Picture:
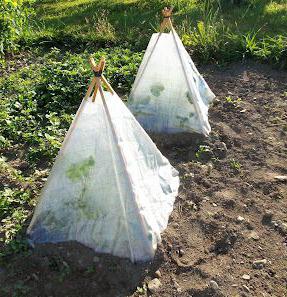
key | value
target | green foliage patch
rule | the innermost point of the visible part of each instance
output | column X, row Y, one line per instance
column 38, row 102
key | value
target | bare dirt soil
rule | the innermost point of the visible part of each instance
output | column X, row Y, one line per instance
column 231, row 210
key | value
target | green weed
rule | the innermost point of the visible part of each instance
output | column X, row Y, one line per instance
column 65, row 270
column 201, row 151
column 235, row 165
column 232, row 101
column 141, row 290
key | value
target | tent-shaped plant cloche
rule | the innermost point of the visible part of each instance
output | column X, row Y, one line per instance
column 169, row 95
column 110, row 188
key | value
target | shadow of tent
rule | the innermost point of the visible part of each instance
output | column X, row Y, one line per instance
column 179, row 146
column 118, row 13
column 69, row 269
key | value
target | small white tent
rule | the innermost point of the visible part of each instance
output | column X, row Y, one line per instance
column 110, row 187
column 169, row 95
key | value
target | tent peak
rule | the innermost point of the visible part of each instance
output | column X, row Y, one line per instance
column 98, row 79
column 166, row 23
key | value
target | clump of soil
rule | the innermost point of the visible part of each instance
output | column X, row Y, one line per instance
column 230, row 211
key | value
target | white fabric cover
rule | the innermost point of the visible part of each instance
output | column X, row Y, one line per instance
column 169, row 95
column 110, row 187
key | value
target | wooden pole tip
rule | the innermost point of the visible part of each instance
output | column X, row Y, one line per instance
column 167, row 12
column 97, row 67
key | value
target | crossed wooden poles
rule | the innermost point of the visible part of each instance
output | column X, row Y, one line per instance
column 166, row 23
column 98, row 79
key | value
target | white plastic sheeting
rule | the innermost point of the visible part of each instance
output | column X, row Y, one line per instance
column 110, row 188
column 169, row 95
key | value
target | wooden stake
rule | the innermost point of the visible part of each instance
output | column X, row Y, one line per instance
column 90, row 89
column 166, row 23
column 106, row 83
column 95, row 92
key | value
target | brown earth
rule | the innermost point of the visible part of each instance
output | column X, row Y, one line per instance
column 231, row 209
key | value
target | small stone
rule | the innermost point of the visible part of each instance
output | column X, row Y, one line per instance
column 209, row 168
column 254, row 235
column 214, row 204
column 177, row 286
column 283, row 228
column 221, row 150
column 246, row 276
column 181, row 252
column 158, row 274
column 214, row 285
column 246, row 288
column 154, row 285
column 35, row 276
column 259, row 264
column 240, row 219
column 281, row 177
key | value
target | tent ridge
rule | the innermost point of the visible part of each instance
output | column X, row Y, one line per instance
column 117, row 181
column 127, row 173
column 145, row 66
column 188, row 84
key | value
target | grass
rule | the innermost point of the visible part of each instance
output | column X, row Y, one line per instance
column 218, row 33
column 128, row 17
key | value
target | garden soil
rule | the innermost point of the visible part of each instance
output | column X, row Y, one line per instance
column 227, row 235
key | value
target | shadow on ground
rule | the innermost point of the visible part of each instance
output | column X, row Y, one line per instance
column 71, row 269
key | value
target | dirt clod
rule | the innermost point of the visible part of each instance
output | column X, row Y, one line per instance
column 154, row 285
column 225, row 243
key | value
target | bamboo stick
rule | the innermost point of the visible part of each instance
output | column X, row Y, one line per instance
column 106, row 83
column 90, row 89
